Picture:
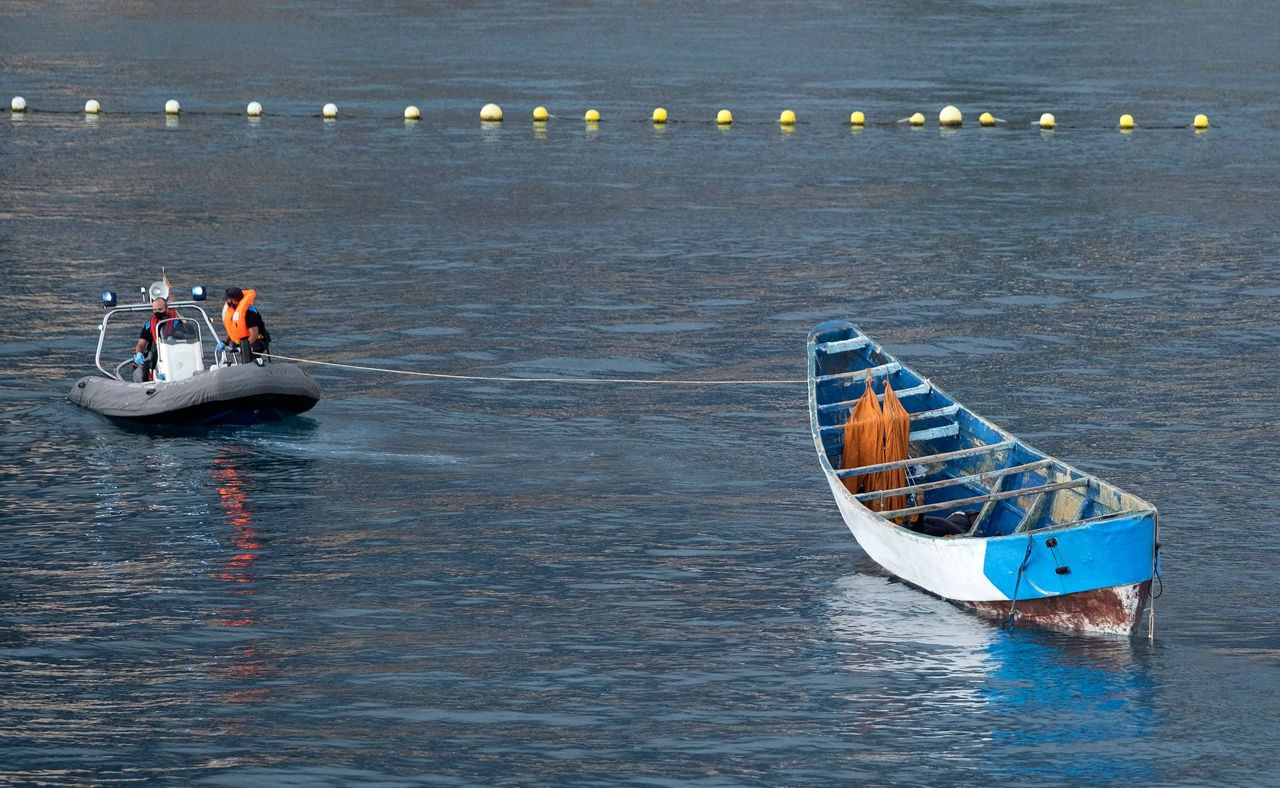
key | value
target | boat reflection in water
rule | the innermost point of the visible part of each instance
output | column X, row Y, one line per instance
column 247, row 665
column 939, row 696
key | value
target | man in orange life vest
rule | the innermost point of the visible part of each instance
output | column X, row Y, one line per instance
column 242, row 320
column 144, row 351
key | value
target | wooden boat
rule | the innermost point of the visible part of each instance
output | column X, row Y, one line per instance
column 1045, row 544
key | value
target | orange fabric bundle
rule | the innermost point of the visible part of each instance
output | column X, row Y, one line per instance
column 863, row 440
column 897, row 443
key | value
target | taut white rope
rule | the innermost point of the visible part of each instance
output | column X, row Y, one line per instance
column 493, row 378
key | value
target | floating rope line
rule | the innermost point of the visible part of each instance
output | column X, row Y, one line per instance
column 500, row 379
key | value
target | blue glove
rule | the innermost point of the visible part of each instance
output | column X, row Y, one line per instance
column 139, row 359
column 221, row 346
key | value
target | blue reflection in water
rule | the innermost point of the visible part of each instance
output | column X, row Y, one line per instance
column 945, row 696
column 1077, row 708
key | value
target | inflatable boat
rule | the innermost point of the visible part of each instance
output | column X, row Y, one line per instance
column 237, row 388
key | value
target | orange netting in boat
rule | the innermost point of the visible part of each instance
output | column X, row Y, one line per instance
column 863, row 438
column 897, row 431
column 876, row 434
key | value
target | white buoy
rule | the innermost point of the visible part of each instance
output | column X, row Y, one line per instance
column 412, row 113
column 18, row 104
column 1048, row 121
column 172, row 107
column 950, row 117
column 917, row 119
column 254, row 110
column 92, row 107
column 491, row 113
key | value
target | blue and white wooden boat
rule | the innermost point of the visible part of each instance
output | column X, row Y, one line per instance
column 1047, row 544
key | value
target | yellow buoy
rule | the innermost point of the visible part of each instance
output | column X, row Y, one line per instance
column 18, row 104
column 540, row 114
column 787, row 118
column 412, row 113
column 254, row 110
column 1201, row 122
column 724, row 117
column 987, row 119
column 1126, row 121
column 172, row 107
column 92, row 107
column 659, row 115
column 1048, row 121
column 592, row 116
column 950, row 117
column 857, row 118
column 491, row 113
column 330, row 111
column 917, row 119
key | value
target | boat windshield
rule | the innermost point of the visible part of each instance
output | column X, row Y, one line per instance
column 180, row 331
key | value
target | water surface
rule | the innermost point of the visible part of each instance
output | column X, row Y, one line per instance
column 477, row 582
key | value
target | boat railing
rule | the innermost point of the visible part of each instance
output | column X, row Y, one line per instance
column 144, row 307
column 1101, row 518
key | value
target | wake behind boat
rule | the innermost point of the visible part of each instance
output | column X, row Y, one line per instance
column 237, row 388
column 1028, row 537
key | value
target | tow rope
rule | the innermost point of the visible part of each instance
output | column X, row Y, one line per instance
column 500, row 379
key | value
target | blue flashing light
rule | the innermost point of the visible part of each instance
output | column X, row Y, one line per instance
column 108, row 299
column 197, row 293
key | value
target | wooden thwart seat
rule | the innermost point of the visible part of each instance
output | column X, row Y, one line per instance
column 928, row 459
column 842, row 345
column 960, row 503
column 923, row 388
column 875, row 372
column 920, row 415
column 972, row 478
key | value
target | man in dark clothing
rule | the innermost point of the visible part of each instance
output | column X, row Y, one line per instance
column 144, row 353
column 259, row 339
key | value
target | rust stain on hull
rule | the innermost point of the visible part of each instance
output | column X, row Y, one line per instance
column 1115, row 610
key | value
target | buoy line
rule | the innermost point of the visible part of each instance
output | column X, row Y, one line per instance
column 491, row 115
column 500, row 379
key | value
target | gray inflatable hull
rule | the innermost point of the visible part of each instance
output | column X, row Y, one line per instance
column 239, row 394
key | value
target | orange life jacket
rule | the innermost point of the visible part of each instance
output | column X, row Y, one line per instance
column 234, row 320
column 154, row 324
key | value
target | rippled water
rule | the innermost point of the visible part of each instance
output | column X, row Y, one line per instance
column 487, row 583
